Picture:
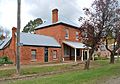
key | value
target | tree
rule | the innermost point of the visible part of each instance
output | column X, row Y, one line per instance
column 110, row 23
column 4, row 33
column 92, row 38
column 18, row 36
column 32, row 24
column 102, row 16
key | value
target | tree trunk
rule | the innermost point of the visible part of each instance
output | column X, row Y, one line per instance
column 112, row 58
column 87, row 62
column 111, row 51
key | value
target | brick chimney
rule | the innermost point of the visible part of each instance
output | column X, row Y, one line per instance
column 13, row 42
column 54, row 15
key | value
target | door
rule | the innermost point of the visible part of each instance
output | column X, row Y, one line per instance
column 46, row 55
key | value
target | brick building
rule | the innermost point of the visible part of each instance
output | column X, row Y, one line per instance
column 52, row 42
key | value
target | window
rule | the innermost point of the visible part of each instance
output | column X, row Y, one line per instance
column 33, row 53
column 54, row 54
column 102, row 48
column 77, row 35
column 66, row 33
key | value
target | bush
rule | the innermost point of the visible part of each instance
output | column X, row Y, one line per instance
column 5, row 60
column 100, row 58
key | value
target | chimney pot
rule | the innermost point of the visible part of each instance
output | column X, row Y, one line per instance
column 54, row 15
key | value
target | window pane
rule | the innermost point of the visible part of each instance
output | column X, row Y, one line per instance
column 54, row 54
column 33, row 53
column 77, row 35
column 66, row 33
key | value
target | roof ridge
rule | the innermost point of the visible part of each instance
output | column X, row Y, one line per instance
column 37, row 34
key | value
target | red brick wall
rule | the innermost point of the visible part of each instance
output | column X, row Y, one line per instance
column 26, row 57
column 72, row 34
column 54, row 15
column 8, row 52
column 25, row 52
column 54, row 31
column 13, row 40
column 51, row 59
column 58, row 32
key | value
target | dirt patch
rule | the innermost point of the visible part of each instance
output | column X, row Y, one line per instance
column 113, row 80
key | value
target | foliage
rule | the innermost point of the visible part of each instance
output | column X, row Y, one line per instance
column 5, row 60
column 102, row 23
column 32, row 24
column 100, row 58
column 4, row 33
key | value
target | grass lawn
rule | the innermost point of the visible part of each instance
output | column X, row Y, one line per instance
column 33, row 70
column 103, row 71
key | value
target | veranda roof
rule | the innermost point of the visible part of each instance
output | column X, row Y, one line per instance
column 76, row 45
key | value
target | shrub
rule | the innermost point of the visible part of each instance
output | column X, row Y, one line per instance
column 5, row 60
column 100, row 58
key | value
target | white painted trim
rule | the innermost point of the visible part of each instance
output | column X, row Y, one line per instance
column 82, row 56
column 75, row 55
column 87, row 54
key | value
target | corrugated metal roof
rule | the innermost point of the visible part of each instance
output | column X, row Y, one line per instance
column 77, row 45
column 4, row 42
column 38, row 40
column 61, row 20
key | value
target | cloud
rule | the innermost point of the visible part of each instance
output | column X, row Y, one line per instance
column 42, row 8
column 6, row 14
column 70, row 9
column 32, row 9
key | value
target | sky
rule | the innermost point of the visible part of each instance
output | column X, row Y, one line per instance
column 32, row 9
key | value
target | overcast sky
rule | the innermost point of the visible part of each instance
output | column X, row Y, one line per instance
column 32, row 9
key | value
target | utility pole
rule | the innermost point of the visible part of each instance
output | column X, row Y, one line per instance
column 18, row 36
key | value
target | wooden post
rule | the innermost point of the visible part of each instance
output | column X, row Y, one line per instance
column 75, row 55
column 87, row 54
column 18, row 36
column 82, row 56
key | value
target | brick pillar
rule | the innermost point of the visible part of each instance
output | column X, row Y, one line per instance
column 54, row 15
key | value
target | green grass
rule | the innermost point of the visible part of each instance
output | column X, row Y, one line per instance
column 103, row 70
column 33, row 70
column 45, row 69
column 7, row 73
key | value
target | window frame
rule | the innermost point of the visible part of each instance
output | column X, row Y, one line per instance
column 66, row 33
column 35, row 55
column 77, row 35
column 54, row 53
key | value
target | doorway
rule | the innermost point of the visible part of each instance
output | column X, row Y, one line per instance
column 46, row 55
